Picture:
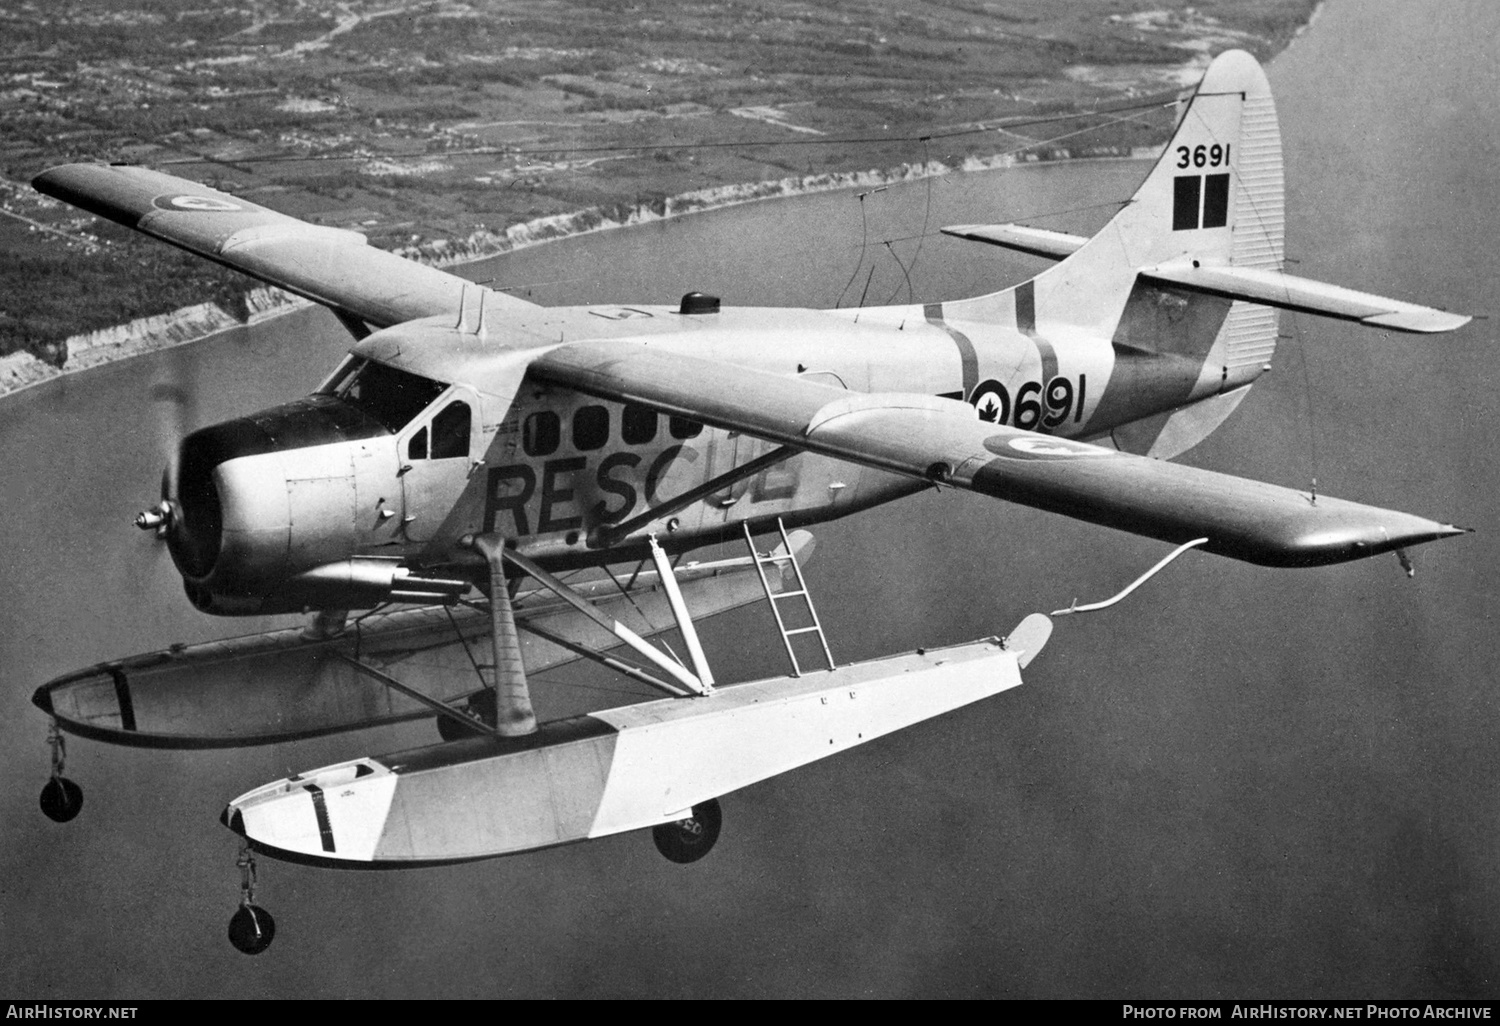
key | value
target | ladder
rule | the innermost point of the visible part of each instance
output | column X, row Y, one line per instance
column 786, row 555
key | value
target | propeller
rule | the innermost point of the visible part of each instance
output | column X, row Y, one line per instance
column 171, row 399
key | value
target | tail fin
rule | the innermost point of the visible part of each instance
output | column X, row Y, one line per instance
column 1174, row 302
column 1214, row 197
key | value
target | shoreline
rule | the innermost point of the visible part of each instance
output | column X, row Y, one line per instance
column 21, row 370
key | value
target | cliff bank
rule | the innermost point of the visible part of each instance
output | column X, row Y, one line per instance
column 149, row 334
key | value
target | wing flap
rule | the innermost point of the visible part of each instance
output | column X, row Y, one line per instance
column 1289, row 292
column 940, row 440
column 331, row 266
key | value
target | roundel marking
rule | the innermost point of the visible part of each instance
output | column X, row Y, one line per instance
column 991, row 401
column 205, row 204
column 1042, row 447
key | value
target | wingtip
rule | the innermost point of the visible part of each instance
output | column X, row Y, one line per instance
column 1421, row 321
column 1420, row 534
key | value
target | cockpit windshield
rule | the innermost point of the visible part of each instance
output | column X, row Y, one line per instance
column 391, row 396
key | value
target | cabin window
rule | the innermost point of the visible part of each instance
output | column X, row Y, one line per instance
column 540, row 433
column 416, row 449
column 590, row 428
column 681, row 427
column 450, row 432
column 637, row 425
column 393, row 397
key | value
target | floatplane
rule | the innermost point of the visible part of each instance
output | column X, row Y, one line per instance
column 485, row 489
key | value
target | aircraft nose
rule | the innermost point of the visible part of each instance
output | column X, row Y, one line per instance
column 228, row 518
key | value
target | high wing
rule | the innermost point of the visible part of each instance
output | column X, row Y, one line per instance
column 331, row 266
column 940, row 440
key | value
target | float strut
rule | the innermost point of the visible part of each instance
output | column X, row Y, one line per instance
column 680, row 612
column 513, row 712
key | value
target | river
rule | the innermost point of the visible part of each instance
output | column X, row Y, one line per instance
column 1240, row 782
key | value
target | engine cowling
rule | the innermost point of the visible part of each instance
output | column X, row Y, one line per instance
column 268, row 510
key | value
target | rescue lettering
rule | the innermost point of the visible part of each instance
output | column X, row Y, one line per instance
column 564, row 491
column 557, row 491
column 622, row 489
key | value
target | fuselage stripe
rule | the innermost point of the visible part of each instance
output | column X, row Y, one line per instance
column 968, row 356
column 1026, row 325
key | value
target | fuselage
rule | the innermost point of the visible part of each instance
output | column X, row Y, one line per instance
column 429, row 432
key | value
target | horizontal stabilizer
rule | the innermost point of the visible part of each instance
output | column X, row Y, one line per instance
column 1036, row 241
column 326, row 265
column 1276, row 288
column 941, row 440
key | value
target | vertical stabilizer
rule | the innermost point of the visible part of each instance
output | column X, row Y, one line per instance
column 1215, row 197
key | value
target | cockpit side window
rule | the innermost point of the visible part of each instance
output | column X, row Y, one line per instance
column 416, row 448
column 450, row 431
column 391, row 396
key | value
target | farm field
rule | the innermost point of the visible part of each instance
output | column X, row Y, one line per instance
column 418, row 123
